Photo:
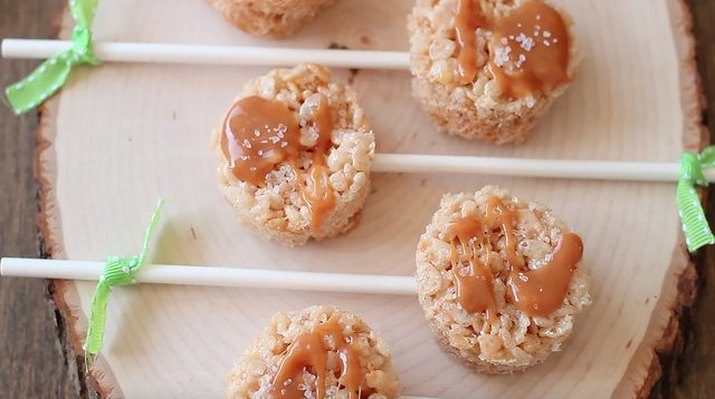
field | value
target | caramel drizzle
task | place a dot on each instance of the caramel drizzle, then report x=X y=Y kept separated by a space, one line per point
x=309 y=351
x=318 y=194
x=528 y=50
x=499 y=215
x=475 y=290
x=260 y=134
x=467 y=20
x=541 y=291
x=536 y=292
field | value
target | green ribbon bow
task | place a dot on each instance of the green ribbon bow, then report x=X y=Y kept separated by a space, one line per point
x=117 y=272
x=53 y=73
x=692 y=217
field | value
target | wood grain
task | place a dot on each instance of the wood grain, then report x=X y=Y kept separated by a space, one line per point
x=154 y=153
x=31 y=361
x=696 y=367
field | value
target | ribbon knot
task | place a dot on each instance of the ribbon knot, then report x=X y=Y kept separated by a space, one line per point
x=691 y=170
x=82 y=46
x=692 y=217
x=53 y=73
x=117 y=272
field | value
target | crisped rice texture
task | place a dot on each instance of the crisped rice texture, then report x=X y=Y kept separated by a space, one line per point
x=277 y=210
x=514 y=341
x=270 y=18
x=476 y=110
x=256 y=369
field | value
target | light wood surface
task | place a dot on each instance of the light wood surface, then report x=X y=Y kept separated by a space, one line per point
x=122 y=135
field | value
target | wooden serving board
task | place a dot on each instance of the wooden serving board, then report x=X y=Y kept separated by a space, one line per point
x=121 y=135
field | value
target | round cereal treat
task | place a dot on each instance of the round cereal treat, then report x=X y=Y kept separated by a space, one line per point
x=500 y=280
x=270 y=18
x=319 y=352
x=294 y=154
x=489 y=69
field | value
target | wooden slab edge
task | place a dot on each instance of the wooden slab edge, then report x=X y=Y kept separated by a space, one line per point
x=663 y=340
x=72 y=322
x=63 y=295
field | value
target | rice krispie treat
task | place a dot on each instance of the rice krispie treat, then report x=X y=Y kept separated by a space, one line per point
x=294 y=155
x=489 y=69
x=500 y=280
x=270 y=18
x=319 y=352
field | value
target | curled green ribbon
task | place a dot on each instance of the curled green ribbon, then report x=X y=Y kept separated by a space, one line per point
x=53 y=73
x=117 y=272
x=692 y=217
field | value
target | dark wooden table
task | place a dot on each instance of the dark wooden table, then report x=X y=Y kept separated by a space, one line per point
x=32 y=363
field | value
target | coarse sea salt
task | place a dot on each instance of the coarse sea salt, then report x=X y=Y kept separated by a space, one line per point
x=527 y=44
x=501 y=55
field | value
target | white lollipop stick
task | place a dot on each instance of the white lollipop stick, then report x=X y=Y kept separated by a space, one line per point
x=524 y=167
x=218 y=55
x=216 y=276
x=198 y=54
